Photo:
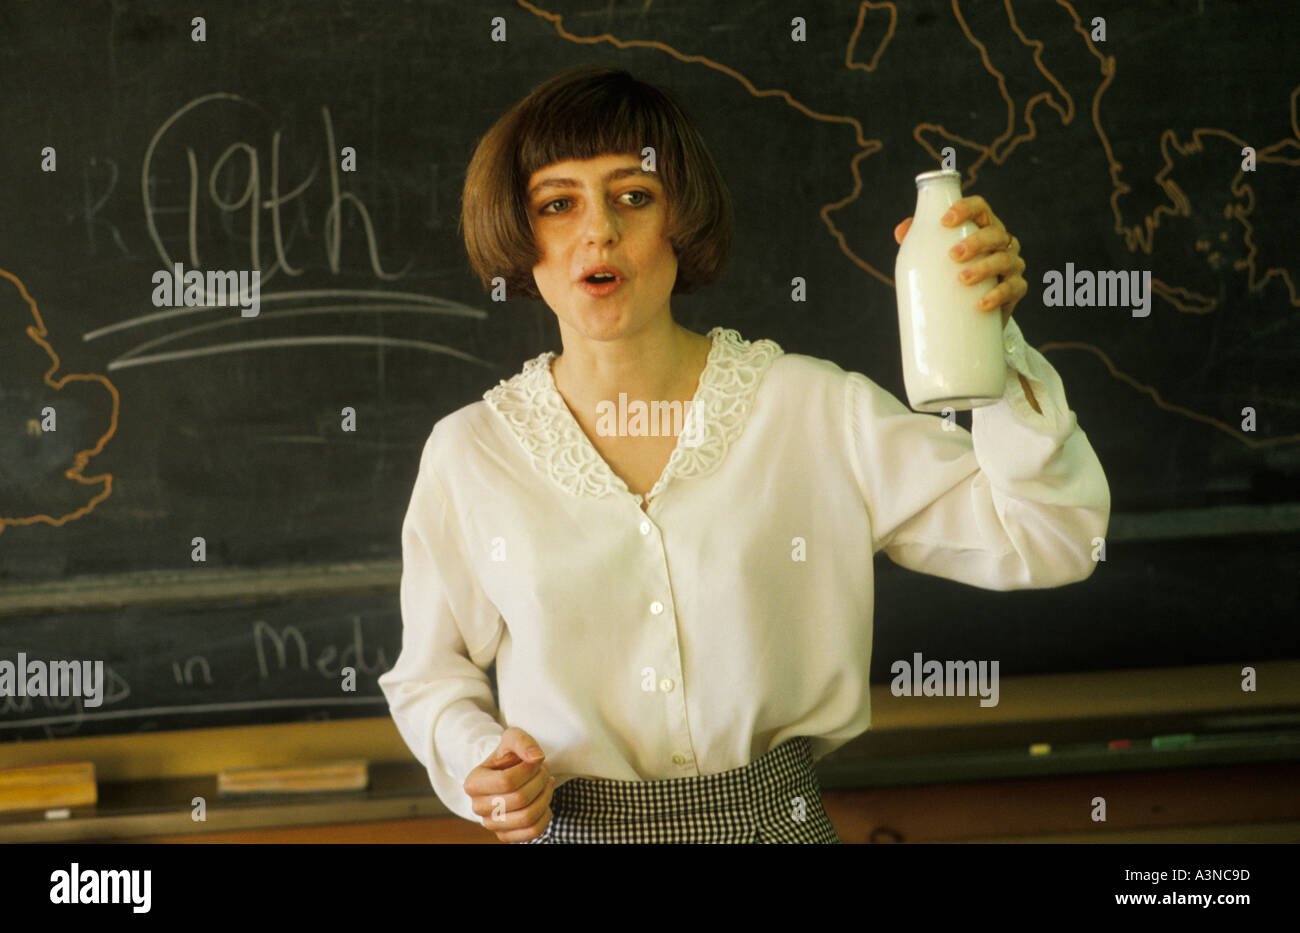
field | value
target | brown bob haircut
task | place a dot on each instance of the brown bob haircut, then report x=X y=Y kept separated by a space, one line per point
x=580 y=114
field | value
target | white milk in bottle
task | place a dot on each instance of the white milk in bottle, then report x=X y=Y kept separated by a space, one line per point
x=952 y=350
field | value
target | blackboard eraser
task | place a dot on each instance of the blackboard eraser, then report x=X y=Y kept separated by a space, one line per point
x=353 y=774
x=49 y=786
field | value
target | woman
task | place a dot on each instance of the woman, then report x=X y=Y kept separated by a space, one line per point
x=682 y=625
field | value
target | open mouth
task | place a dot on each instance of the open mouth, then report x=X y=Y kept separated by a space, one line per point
x=601 y=284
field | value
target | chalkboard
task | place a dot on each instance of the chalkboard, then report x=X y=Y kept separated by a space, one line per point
x=219 y=145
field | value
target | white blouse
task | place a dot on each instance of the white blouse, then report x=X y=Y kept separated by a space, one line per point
x=735 y=613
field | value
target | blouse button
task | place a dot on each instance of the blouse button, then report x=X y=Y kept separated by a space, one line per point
x=679 y=759
x=1011 y=346
x=666 y=685
x=656 y=607
x=645 y=528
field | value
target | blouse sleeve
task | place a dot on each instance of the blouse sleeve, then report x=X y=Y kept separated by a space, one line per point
x=1017 y=502
x=438 y=691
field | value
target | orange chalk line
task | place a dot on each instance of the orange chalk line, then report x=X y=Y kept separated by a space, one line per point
x=38 y=333
x=1223 y=426
x=849 y=63
x=1181 y=298
x=1142 y=236
x=1012 y=141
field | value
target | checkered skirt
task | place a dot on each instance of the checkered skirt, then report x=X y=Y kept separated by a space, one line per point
x=773 y=799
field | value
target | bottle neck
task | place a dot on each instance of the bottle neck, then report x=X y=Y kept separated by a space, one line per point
x=933 y=198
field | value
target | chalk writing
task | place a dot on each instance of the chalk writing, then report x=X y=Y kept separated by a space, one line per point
x=252 y=198
x=327 y=662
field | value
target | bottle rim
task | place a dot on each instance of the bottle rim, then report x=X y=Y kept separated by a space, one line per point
x=937 y=174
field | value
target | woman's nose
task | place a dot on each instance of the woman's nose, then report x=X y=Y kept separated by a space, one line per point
x=601 y=223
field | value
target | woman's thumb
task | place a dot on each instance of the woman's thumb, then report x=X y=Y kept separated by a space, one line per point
x=521 y=744
x=518 y=743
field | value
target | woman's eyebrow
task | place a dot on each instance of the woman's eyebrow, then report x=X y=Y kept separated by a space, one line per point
x=574 y=183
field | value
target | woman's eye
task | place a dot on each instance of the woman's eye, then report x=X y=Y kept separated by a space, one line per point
x=642 y=198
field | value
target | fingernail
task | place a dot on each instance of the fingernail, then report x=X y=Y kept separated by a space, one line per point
x=949 y=217
x=957 y=252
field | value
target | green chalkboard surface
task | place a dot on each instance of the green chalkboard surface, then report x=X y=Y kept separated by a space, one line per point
x=176 y=423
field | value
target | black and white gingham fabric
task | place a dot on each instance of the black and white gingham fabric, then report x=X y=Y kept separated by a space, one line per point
x=774 y=799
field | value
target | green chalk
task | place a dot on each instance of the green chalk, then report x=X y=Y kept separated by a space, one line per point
x=1173 y=741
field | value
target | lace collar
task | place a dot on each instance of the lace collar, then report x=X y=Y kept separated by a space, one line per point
x=538 y=417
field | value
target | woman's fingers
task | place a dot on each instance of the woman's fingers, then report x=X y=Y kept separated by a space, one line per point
x=1000 y=263
x=486 y=783
x=984 y=240
x=973 y=208
x=528 y=823
x=497 y=807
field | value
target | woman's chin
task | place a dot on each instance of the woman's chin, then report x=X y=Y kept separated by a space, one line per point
x=597 y=321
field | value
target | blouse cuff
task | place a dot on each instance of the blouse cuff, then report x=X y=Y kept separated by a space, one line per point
x=466 y=736
x=1049 y=392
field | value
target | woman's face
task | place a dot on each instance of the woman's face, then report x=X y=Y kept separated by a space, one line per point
x=602 y=212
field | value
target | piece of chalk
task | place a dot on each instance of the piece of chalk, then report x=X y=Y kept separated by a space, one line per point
x=1040 y=748
x=1173 y=741
x=350 y=775
x=62 y=813
x=1117 y=744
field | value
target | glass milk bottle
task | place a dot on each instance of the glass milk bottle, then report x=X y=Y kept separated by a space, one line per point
x=952 y=350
